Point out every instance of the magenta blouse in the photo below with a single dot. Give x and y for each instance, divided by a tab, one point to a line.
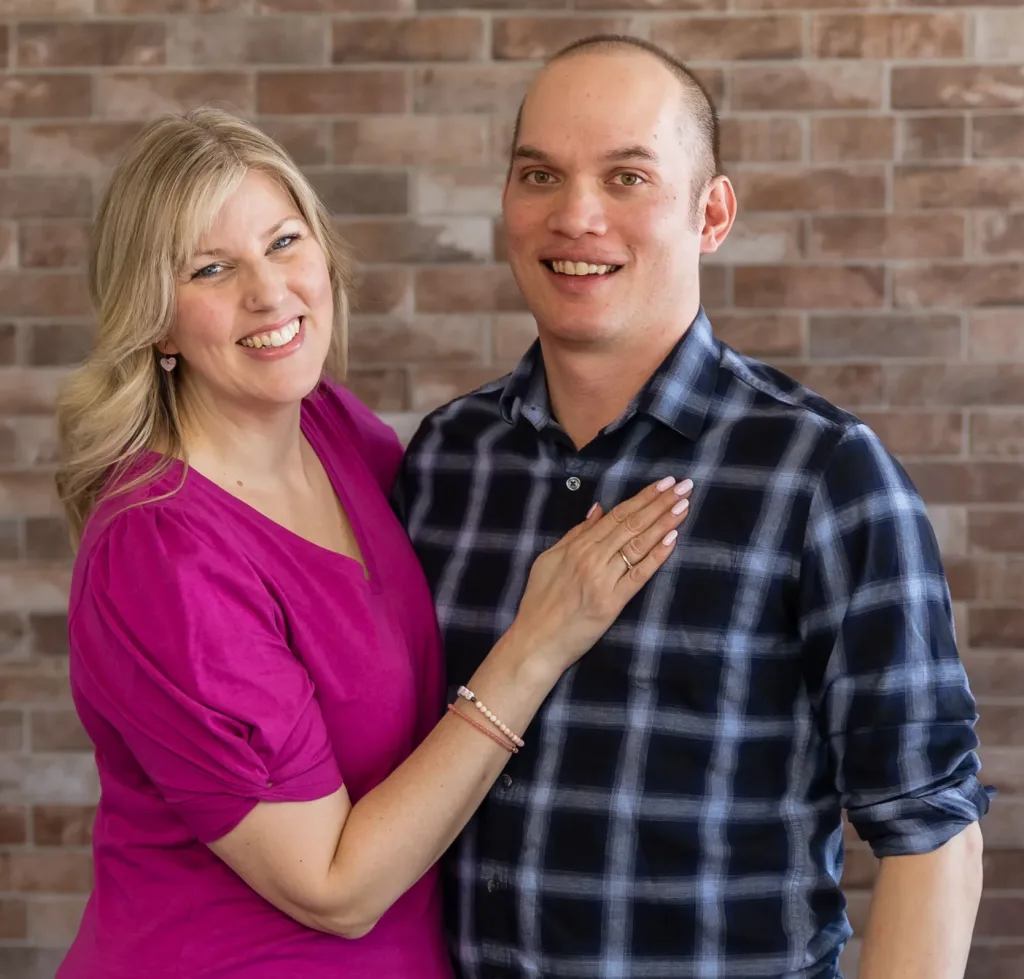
219	660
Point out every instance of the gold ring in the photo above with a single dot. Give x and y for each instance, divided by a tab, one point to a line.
629	566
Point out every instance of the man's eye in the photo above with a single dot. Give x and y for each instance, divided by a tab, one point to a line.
631	179
538	177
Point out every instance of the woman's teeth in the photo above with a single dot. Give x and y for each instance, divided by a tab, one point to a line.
582	268
275	338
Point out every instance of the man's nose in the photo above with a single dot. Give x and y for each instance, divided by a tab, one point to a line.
578	210
265	286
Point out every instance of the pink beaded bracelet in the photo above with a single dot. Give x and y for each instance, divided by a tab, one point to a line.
471	697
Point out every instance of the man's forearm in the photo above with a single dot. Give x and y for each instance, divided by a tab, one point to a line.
922	912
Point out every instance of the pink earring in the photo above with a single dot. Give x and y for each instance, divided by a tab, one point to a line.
168	363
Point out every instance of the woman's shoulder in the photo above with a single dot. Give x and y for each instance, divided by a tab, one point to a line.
335	412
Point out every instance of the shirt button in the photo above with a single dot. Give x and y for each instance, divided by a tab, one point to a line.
506	781
573	483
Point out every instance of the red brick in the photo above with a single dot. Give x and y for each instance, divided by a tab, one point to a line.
471	88
997	628
54	244
657	5
412	140
348	91
761	334
27	494
307	142
385	390
31	196
997	434
55	825
13	825
969	482
434	242
12	730
42	871
931	138
1000	579
996	530
814	189
999	915
408	39
367	192
1002	724
35	96
5	147
13	918
859	868
845	138
43	294
54	920
31	685
958	87
461	190
378	341
885	335
999	234
13	629
8	343
888	35
808	86
999	35
435	386
382	290
535	38
553	5
55	344
49	634
918	433
58	730
457	290
997	136
847	385
143	96
92	147
136	7
761	37
757	239
4	44
755	139
338	6
217	42
70	45
956	384
888	236
960	285
47	539
810	286
979	185
715	286
8	245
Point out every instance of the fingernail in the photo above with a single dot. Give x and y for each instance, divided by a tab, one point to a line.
593	507
684	487
665	484
680	506
669	537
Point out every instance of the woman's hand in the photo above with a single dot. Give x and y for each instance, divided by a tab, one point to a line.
577	588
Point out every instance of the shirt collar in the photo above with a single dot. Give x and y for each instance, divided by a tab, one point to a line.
678	394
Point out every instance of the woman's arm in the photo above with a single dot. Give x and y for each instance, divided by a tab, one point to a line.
338	867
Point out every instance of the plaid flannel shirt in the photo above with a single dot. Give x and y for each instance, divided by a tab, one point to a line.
677	809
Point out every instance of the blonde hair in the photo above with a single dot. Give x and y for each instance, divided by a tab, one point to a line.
163	196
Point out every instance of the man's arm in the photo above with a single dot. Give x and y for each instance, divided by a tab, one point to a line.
922	912
895	708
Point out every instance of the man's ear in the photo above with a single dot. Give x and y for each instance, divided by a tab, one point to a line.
718	214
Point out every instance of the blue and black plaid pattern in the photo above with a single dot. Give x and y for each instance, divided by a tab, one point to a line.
677	809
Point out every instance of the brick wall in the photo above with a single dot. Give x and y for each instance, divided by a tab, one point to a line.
878	152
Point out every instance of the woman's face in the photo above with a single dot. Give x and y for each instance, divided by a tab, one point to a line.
255	308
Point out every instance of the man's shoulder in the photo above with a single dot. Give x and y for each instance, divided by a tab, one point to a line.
461	421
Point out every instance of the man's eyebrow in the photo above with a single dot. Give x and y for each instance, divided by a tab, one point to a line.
269	233
635	152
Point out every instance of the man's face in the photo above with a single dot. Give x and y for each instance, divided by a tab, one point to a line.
602	234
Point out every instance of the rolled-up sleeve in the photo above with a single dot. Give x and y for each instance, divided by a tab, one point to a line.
892	696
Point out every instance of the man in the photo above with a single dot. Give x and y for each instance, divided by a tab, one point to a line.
676	811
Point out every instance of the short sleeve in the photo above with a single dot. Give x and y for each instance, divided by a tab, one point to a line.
178	645
893	698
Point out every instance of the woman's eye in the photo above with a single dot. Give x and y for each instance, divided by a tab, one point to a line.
284	241
206	272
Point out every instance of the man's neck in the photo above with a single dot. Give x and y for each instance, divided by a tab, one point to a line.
589	387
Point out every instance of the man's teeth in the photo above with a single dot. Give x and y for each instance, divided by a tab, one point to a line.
582	268
275	338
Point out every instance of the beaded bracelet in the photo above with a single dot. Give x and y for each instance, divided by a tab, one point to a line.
469	720
471	697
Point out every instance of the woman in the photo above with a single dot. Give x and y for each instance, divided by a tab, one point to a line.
253	648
